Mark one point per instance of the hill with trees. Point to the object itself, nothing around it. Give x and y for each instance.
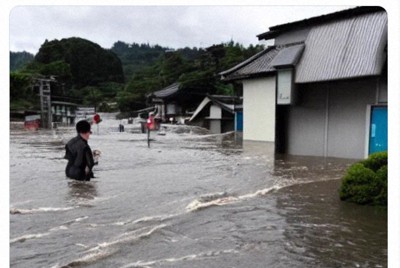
(78, 62)
(85, 73)
(18, 60)
(125, 74)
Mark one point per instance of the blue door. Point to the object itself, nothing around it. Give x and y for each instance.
(378, 137)
(239, 121)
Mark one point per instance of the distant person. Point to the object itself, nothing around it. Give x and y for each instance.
(79, 155)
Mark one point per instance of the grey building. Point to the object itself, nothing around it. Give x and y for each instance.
(322, 86)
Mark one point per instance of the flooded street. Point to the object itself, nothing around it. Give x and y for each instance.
(190, 200)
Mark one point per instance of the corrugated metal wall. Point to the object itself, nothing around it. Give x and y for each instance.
(339, 50)
(330, 119)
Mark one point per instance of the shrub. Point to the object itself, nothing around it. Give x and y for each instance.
(365, 182)
(381, 174)
(375, 161)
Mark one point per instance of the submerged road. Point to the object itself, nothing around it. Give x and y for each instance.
(190, 200)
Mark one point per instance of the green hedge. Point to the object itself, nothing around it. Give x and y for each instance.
(366, 181)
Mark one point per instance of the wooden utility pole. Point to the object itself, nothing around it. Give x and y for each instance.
(45, 102)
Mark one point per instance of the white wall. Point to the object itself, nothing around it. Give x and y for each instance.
(215, 112)
(259, 109)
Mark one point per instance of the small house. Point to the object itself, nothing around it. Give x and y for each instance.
(173, 104)
(165, 102)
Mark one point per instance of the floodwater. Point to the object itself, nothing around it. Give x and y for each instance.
(190, 200)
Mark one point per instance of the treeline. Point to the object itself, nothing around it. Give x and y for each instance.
(19, 59)
(196, 70)
(124, 74)
(134, 56)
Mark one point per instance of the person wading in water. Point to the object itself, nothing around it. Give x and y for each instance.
(79, 155)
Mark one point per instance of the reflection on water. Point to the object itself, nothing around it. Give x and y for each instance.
(310, 168)
(79, 191)
(256, 148)
(323, 231)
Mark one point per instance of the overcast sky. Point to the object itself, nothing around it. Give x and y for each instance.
(169, 26)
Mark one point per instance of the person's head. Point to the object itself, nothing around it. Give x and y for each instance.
(83, 129)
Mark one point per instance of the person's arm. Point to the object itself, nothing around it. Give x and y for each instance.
(89, 158)
(67, 153)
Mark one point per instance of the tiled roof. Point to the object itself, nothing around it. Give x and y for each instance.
(256, 65)
(166, 92)
(288, 57)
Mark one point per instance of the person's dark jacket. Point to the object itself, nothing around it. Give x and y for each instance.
(79, 156)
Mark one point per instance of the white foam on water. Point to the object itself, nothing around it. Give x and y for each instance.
(81, 218)
(26, 237)
(155, 218)
(120, 223)
(261, 192)
(62, 227)
(158, 218)
(190, 257)
(198, 204)
(129, 236)
(221, 199)
(88, 259)
(105, 250)
(38, 210)
(54, 229)
(75, 220)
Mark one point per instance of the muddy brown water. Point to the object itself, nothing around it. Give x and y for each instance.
(190, 200)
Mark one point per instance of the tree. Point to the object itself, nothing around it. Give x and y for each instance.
(93, 96)
(21, 92)
(19, 85)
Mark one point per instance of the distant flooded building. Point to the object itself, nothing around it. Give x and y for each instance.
(63, 113)
(165, 102)
(321, 89)
(84, 113)
(217, 113)
(173, 103)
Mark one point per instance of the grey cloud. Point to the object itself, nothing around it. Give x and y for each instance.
(172, 26)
